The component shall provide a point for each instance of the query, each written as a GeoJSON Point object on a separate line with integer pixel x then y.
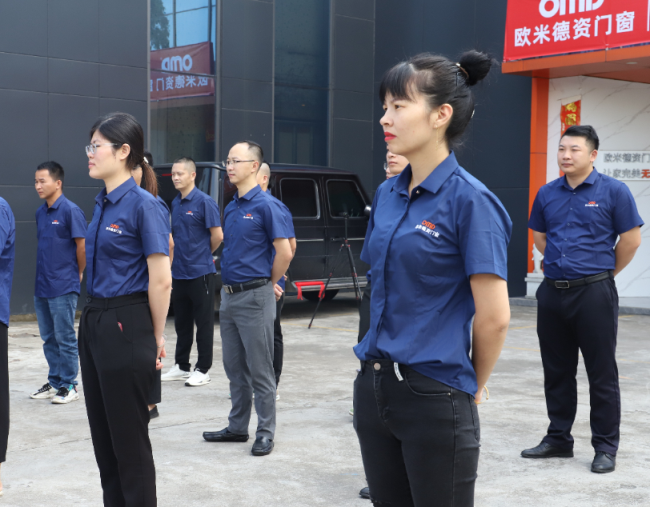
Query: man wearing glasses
{"type": "Point", "coordinates": [196, 228]}
{"type": "Point", "coordinates": [254, 225]}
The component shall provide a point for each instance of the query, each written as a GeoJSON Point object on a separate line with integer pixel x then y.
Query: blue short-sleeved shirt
{"type": "Point", "coordinates": [167, 213]}
{"type": "Point", "coordinates": [250, 225]}
{"type": "Point", "coordinates": [7, 246]}
{"type": "Point", "coordinates": [57, 268]}
{"type": "Point", "coordinates": [422, 250]}
{"type": "Point", "coordinates": [582, 224]}
{"type": "Point", "coordinates": [128, 226]}
{"type": "Point", "coordinates": [192, 218]}
{"type": "Point", "coordinates": [290, 230]}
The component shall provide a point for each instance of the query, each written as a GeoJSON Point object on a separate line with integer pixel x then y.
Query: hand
{"type": "Point", "coordinates": [478, 398]}
{"type": "Point", "coordinates": [278, 292]}
{"type": "Point", "coordinates": [159, 364]}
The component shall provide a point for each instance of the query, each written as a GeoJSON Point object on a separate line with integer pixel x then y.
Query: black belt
{"type": "Point", "coordinates": [241, 287]}
{"type": "Point", "coordinates": [569, 284]}
{"type": "Point", "coordinates": [117, 301]}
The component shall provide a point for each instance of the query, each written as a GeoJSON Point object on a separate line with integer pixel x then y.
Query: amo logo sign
{"type": "Point", "coordinates": [177, 63]}
{"type": "Point", "coordinates": [550, 8]}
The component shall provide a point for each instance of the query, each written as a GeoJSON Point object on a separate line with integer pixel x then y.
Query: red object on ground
{"type": "Point", "coordinates": [300, 285]}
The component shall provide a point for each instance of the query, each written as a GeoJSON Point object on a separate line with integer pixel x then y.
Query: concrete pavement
{"type": "Point", "coordinates": [316, 461]}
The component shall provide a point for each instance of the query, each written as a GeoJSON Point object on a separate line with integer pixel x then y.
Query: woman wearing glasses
{"type": "Point", "coordinates": [121, 329]}
{"type": "Point", "coordinates": [437, 245]}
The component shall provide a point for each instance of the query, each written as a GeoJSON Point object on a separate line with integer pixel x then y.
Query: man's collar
{"type": "Point", "coordinates": [591, 179]}
{"type": "Point", "coordinates": [250, 194]}
{"type": "Point", "coordinates": [189, 196]}
{"type": "Point", "coordinates": [57, 203]}
{"type": "Point", "coordinates": [117, 193]}
{"type": "Point", "coordinates": [433, 182]}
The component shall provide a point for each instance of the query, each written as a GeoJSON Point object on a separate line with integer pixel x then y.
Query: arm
{"type": "Point", "coordinates": [626, 248]}
{"type": "Point", "coordinates": [160, 285]}
{"type": "Point", "coordinates": [490, 324]}
{"type": "Point", "coordinates": [216, 237]}
{"type": "Point", "coordinates": [171, 249]}
{"type": "Point", "coordinates": [540, 241]}
{"type": "Point", "coordinates": [282, 259]}
{"type": "Point", "coordinates": [294, 245]}
{"type": "Point", "coordinates": [81, 256]}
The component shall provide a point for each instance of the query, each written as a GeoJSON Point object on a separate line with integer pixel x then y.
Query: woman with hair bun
{"type": "Point", "coordinates": [437, 246]}
{"type": "Point", "coordinates": [121, 328]}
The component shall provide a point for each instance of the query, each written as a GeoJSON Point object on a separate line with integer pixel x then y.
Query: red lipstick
{"type": "Point", "coordinates": [388, 136]}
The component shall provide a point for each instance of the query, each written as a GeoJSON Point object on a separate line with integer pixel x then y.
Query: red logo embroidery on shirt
{"type": "Point", "coordinates": [55, 222]}
{"type": "Point", "coordinates": [249, 216]}
{"type": "Point", "coordinates": [114, 228]}
{"type": "Point", "coordinates": [189, 213]}
{"type": "Point", "coordinates": [591, 204]}
{"type": "Point", "coordinates": [428, 227]}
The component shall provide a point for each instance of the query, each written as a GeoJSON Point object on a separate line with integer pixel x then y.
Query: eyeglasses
{"type": "Point", "coordinates": [227, 163]}
{"type": "Point", "coordinates": [91, 149]}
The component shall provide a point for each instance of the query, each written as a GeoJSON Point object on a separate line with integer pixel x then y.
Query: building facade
{"type": "Point", "coordinates": [300, 77]}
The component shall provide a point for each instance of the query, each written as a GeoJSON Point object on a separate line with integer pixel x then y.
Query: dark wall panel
{"type": "Point", "coordinates": [364, 9]}
{"type": "Point", "coordinates": [353, 54]}
{"type": "Point", "coordinates": [118, 82]}
{"type": "Point", "coordinates": [23, 72]}
{"type": "Point", "coordinates": [353, 105]}
{"type": "Point", "coordinates": [242, 125]}
{"type": "Point", "coordinates": [123, 33]}
{"type": "Point", "coordinates": [245, 94]}
{"type": "Point", "coordinates": [137, 108]}
{"type": "Point", "coordinates": [23, 27]}
{"type": "Point", "coordinates": [72, 30]}
{"type": "Point", "coordinates": [74, 78]}
{"type": "Point", "coordinates": [353, 142]}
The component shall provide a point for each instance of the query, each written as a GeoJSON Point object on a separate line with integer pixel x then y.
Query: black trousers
{"type": "Point", "coordinates": [572, 320]}
{"type": "Point", "coordinates": [4, 391]}
{"type": "Point", "coordinates": [278, 345]}
{"type": "Point", "coordinates": [364, 313]}
{"type": "Point", "coordinates": [419, 438]}
{"type": "Point", "coordinates": [155, 395]}
{"type": "Point", "coordinates": [194, 302]}
{"type": "Point", "coordinates": [117, 369]}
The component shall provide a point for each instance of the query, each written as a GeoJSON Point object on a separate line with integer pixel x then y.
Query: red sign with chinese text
{"type": "Point", "coordinates": [192, 59]}
{"type": "Point", "coordinates": [550, 27]}
{"type": "Point", "coordinates": [570, 115]}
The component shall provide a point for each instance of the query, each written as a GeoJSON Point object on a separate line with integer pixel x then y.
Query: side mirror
{"type": "Point", "coordinates": [367, 211]}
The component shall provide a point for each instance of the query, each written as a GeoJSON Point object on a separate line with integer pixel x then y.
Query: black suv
{"type": "Point", "coordinates": [317, 197]}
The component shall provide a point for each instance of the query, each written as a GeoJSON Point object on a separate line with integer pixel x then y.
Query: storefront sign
{"type": "Point", "coordinates": [194, 59]}
{"type": "Point", "coordinates": [570, 115]}
{"type": "Point", "coordinates": [549, 27]}
{"type": "Point", "coordinates": [624, 165]}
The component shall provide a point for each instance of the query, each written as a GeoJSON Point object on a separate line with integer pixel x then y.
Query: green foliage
{"type": "Point", "coordinates": [159, 26]}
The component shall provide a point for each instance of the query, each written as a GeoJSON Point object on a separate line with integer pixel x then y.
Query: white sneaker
{"type": "Point", "coordinates": [44, 393]}
{"type": "Point", "coordinates": [197, 379]}
{"type": "Point", "coordinates": [175, 374]}
{"type": "Point", "coordinates": [65, 395]}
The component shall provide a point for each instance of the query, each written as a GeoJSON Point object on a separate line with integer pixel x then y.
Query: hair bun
{"type": "Point", "coordinates": [477, 65]}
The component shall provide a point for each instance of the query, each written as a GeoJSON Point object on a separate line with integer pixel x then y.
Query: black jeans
{"type": "Point", "coordinates": [419, 438]}
{"type": "Point", "coordinates": [278, 345]}
{"type": "Point", "coordinates": [194, 302]}
{"type": "Point", "coordinates": [364, 313]}
{"type": "Point", "coordinates": [572, 320]}
{"type": "Point", "coordinates": [117, 369]}
{"type": "Point", "coordinates": [4, 391]}
{"type": "Point", "coordinates": [155, 395]}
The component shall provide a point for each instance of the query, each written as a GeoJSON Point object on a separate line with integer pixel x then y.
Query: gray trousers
{"type": "Point", "coordinates": [246, 323]}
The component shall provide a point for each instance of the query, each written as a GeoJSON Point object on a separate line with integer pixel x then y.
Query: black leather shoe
{"type": "Point", "coordinates": [545, 450]}
{"type": "Point", "coordinates": [262, 446]}
{"type": "Point", "coordinates": [365, 493]}
{"type": "Point", "coordinates": [153, 413]}
{"type": "Point", "coordinates": [224, 436]}
{"type": "Point", "coordinates": [603, 463]}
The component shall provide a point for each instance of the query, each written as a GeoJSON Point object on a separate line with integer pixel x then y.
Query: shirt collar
{"type": "Point", "coordinates": [250, 194]}
{"type": "Point", "coordinates": [434, 181]}
{"type": "Point", "coordinates": [117, 193]}
{"type": "Point", "coordinates": [189, 196]}
{"type": "Point", "coordinates": [591, 179]}
{"type": "Point", "coordinates": [57, 203]}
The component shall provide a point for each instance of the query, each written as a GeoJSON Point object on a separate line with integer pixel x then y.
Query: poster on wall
{"type": "Point", "coordinates": [570, 114]}
{"type": "Point", "coordinates": [624, 165]}
{"type": "Point", "coordinates": [537, 28]}
{"type": "Point", "coordinates": [183, 64]}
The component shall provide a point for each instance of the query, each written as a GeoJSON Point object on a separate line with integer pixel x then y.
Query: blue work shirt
{"type": "Point", "coordinates": [7, 244]}
{"type": "Point", "coordinates": [57, 268]}
{"type": "Point", "coordinates": [167, 213]}
{"type": "Point", "coordinates": [582, 224]}
{"type": "Point", "coordinates": [422, 250]}
{"type": "Point", "coordinates": [250, 225]}
{"type": "Point", "coordinates": [192, 218]}
{"type": "Point", "coordinates": [288, 217]}
{"type": "Point", "coordinates": [128, 226]}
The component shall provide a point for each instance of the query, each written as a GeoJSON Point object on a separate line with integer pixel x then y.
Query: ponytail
{"type": "Point", "coordinates": [149, 180]}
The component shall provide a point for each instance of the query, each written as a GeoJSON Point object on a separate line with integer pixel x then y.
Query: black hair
{"type": "Point", "coordinates": [54, 168]}
{"type": "Point", "coordinates": [149, 157]}
{"type": "Point", "coordinates": [186, 160]}
{"type": "Point", "coordinates": [586, 131]}
{"type": "Point", "coordinates": [121, 129]}
{"type": "Point", "coordinates": [256, 150]}
{"type": "Point", "coordinates": [441, 81]}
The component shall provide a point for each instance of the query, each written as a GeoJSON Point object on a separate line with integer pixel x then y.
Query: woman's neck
{"type": "Point", "coordinates": [114, 181]}
{"type": "Point", "coordinates": [425, 161]}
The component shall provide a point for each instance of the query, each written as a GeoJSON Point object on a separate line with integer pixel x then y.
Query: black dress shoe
{"type": "Point", "coordinates": [603, 463]}
{"type": "Point", "coordinates": [365, 493]}
{"type": "Point", "coordinates": [153, 413]}
{"type": "Point", "coordinates": [224, 436]}
{"type": "Point", "coordinates": [545, 450]}
{"type": "Point", "coordinates": [262, 446]}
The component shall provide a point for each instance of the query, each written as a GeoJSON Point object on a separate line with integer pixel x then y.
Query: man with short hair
{"type": "Point", "coordinates": [61, 260]}
{"type": "Point", "coordinates": [254, 226]}
{"type": "Point", "coordinates": [576, 220]}
{"type": "Point", "coordinates": [196, 227]}
{"type": "Point", "coordinates": [263, 176]}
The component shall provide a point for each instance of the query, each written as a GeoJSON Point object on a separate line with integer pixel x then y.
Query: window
{"type": "Point", "coordinates": [300, 196]}
{"type": "Point", "coordinates": [344, 197]}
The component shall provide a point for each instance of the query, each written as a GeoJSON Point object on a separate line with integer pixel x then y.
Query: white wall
{"type": "Point", "coordinates": [620, 113]}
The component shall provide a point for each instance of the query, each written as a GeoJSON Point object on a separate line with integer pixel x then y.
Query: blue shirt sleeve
{"type": "Point", "coordinates": [78, 223]}
{"type": "Point", "coordinates": [626, 215]}
{"type": "Point", "coordinates": [289, 220]}
{"type": "Point", "coordinates": [365, 254]}
{"type": "Point", "coordinates": [211, 214]}
{"type": "Point", "coordinates": [5, 227]}
{"type": "Point", "coordinates": [153, 227]}
{"type": "Point", "coordinates": [275, 222]}
{"type": "Point", "coordinates": [537, 222]}
{"type": "Point", "coordinates": [484, 230]}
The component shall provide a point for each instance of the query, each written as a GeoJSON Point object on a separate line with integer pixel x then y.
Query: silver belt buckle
{"type": "Point", "coordinates": [558, 284]}
{"type": "Point", "coordinates": [228, 289]}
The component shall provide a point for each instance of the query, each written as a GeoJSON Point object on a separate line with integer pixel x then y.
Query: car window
{"type": "Point", "coordinates": [345, 197]}
{"type": "Point", "coordinates": [300, 196]}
